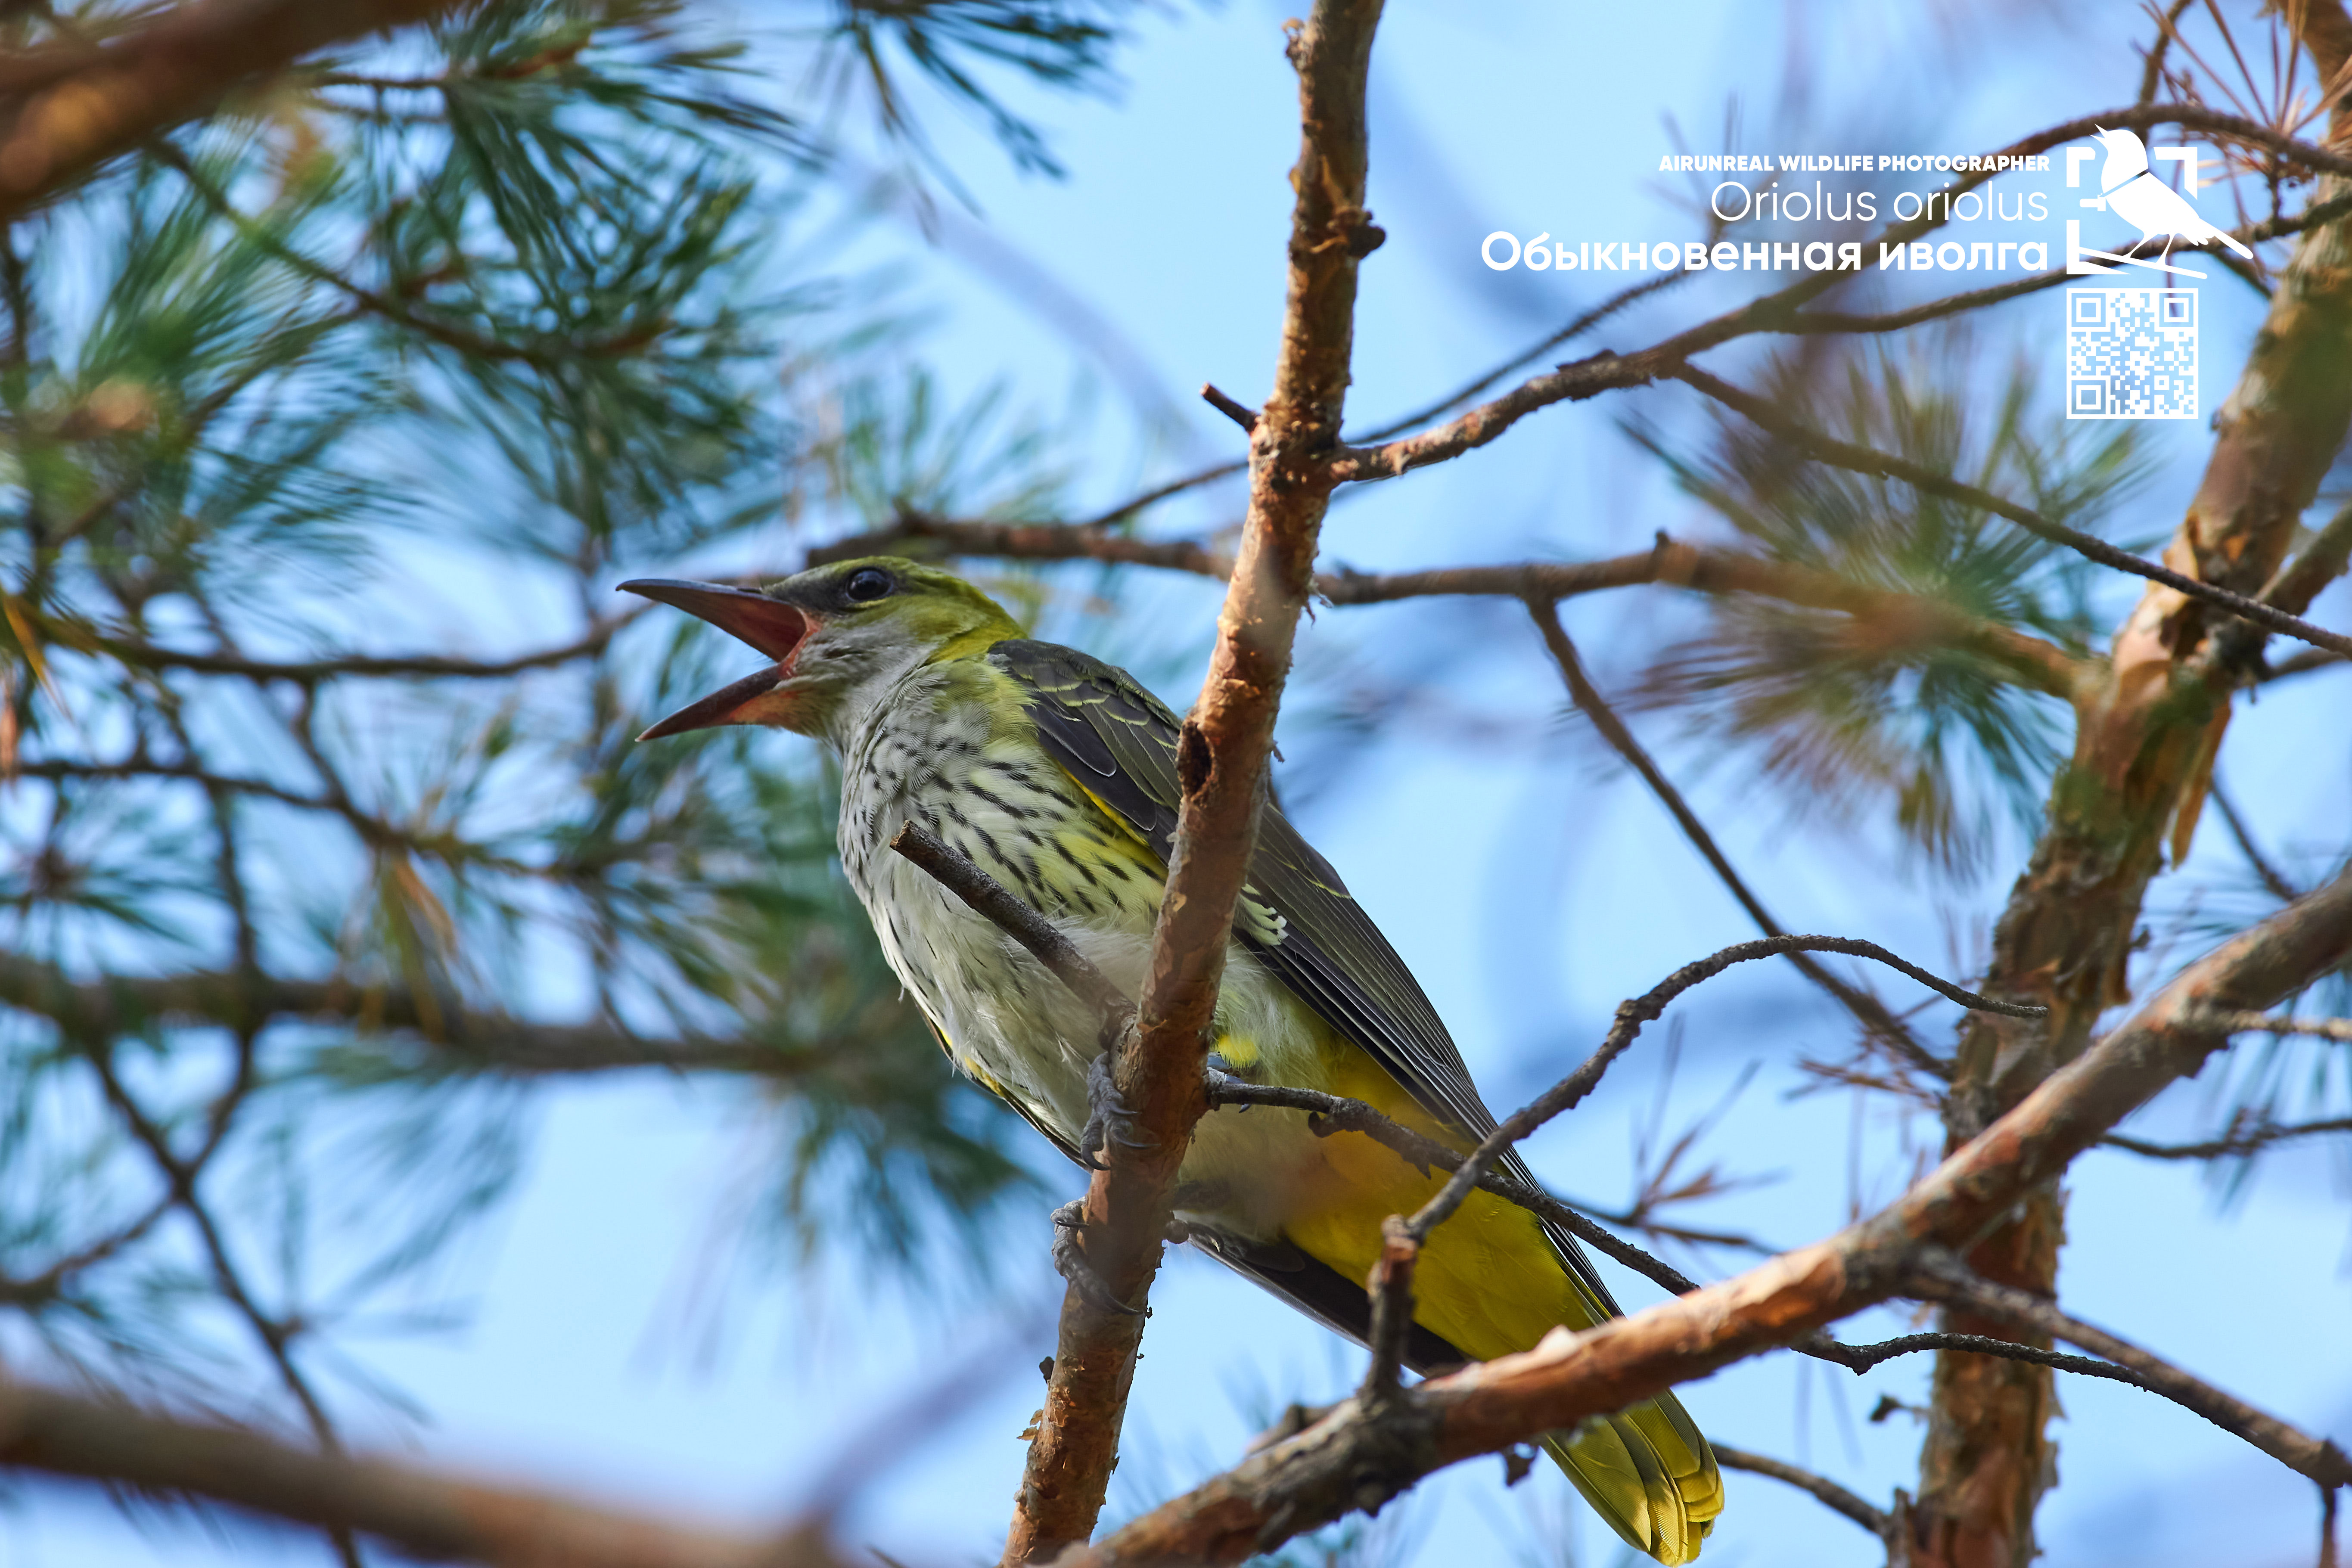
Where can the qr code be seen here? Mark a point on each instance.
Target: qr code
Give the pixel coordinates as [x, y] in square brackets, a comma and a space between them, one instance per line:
[2131, 353]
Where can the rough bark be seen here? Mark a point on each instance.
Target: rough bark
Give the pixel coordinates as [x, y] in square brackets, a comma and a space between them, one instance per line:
[1221, 768]
[2143, 753]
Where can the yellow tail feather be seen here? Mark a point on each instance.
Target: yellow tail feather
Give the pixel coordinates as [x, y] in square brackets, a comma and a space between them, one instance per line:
[1649, 1473]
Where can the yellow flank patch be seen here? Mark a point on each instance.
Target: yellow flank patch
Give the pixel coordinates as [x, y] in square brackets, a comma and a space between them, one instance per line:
[1488, 1282]
[1240, 1053]
[1126, 828]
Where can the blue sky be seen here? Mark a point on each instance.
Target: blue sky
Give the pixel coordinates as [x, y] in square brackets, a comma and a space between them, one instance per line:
[597, 1356]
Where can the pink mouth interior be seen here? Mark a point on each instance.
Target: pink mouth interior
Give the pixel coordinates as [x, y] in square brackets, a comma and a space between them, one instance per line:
[776, 629]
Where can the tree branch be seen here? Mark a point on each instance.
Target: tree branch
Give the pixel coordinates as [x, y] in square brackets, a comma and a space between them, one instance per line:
[1221, 767]
[1894, 618]
[414, 1510]
[105, 101]
[1885, 465]
[421, 666]
[1330, 1113]
[2271, 877]
[1356, 1457]
[98, 1010]
[1027, 541]
[1633, 1014]
[2338, 1029]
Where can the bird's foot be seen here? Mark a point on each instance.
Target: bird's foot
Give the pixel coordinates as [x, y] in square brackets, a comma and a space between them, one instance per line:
[1109, 1118]
[1070, 1263]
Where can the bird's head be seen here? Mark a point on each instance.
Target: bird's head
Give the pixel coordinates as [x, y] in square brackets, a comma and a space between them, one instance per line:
[837, 638]
[2121, 144]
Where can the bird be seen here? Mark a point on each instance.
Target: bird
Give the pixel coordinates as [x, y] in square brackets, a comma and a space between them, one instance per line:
[2147, 203]
[1055, 772]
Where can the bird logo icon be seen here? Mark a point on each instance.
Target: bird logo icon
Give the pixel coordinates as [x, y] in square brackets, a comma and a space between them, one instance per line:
[2132, 193]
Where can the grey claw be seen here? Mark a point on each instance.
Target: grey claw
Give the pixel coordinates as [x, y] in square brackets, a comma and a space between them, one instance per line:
[1070, 1263]
[1109, 1120]
[1223, 1080]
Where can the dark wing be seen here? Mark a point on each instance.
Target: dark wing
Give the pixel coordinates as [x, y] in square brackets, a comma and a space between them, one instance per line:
[1113, 736]
[1323, 1293]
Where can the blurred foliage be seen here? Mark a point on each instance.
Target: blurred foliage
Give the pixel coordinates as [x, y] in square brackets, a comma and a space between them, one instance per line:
[299, 409]
[1943, 733]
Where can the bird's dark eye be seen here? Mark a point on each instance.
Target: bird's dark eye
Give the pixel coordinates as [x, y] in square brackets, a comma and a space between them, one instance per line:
[868, 584]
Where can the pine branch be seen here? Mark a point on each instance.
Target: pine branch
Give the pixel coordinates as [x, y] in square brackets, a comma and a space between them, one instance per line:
[1885, 465]
[369, 667]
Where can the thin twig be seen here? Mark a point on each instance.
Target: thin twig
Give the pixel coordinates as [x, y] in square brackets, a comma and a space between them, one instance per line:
[2301, 662]
[1862, 1358]
[2152, 76]
[2273, 878]
[2237, 1142]
[1636, 1011]
[1330, 1113]
[1806, 323]
[1233, 408]
[1835, 1497]
[1569, 333]
[2243, 1023]
[1392, 1305]
[989, 898]
[276, 1335]
[1868, 1010]
[1940, 1275]
[1158, 493]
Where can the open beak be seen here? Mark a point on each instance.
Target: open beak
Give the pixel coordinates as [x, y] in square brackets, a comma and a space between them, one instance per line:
[774, 628]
